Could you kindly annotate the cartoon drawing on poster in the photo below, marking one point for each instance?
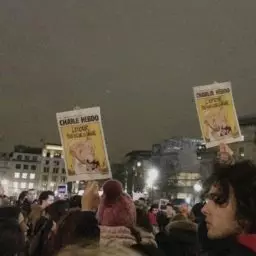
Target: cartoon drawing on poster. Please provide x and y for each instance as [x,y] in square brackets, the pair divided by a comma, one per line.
[217,114]
[84,145]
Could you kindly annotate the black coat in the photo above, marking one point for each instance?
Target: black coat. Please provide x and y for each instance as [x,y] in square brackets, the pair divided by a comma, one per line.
[148,250]
[227,246]
[9,212]
[179,239]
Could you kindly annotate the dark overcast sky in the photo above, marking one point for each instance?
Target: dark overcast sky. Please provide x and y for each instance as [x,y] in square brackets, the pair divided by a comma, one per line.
[137,59]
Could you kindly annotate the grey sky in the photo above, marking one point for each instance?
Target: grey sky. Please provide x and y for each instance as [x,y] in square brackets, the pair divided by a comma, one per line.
[137,59]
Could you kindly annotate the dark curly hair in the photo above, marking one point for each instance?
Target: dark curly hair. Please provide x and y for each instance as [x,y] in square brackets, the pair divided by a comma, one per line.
[239,178]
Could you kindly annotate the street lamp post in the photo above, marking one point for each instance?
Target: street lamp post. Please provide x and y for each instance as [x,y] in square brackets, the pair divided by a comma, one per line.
[197,188]
[152,176]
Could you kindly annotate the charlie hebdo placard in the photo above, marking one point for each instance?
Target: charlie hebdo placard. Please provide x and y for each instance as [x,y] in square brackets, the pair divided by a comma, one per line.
[84,145]
[217,114]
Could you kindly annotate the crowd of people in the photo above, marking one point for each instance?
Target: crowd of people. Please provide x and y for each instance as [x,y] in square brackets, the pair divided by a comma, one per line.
[224,223]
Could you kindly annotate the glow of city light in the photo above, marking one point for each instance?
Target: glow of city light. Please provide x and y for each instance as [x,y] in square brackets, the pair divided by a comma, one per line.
[138,164]
[188,200]
[152,176]
[198,187]
[4,182]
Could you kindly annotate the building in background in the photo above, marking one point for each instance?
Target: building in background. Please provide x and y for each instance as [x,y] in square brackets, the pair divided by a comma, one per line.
[180,163]
[179,167]
[119,173]
[247,148]
[32,168]
[136,165]
[23,169]
[206,157]
[52,167]
[4,171]
[242,150]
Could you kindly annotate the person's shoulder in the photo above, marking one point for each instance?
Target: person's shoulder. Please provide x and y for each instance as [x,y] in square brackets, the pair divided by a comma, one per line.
[185,225]
[36,209]
[9,212]
[147,250]
[241,250]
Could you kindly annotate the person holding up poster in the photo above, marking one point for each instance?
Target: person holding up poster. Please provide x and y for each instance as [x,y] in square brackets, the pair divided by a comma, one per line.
[83,143]
[217,114]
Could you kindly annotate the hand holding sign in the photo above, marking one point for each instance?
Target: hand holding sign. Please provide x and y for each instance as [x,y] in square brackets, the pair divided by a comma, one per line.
[83,142]
[91,198]
[217,114]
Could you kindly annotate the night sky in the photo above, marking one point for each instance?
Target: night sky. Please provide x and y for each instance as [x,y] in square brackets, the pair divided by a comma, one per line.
[137,59]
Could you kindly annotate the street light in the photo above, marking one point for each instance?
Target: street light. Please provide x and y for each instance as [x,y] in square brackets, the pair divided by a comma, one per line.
[188,200]
[152,176]
[4,182]
[198,187]
[138,164]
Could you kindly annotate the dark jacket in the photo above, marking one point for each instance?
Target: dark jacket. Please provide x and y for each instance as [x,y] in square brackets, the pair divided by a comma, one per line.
[233,247]
[180,238]
[147,250]
[25,208]
[75,227]
[9,212]
[244,245]
[162,220]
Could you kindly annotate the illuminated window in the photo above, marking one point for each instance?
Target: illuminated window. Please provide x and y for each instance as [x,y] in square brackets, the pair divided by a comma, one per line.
[15,184]
[63,179]
[32,176]
[23,185]
[30,185]
[24,175]
[57,155]
[16,175]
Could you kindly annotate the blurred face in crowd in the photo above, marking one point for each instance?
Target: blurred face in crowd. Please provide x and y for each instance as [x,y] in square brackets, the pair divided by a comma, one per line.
[183,209]
[169,211]
[142,201]
[155,211]
[48,201]
[31,196]
[220,217]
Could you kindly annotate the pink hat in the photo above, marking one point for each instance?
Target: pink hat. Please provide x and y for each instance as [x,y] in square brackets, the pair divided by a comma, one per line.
[116,208]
